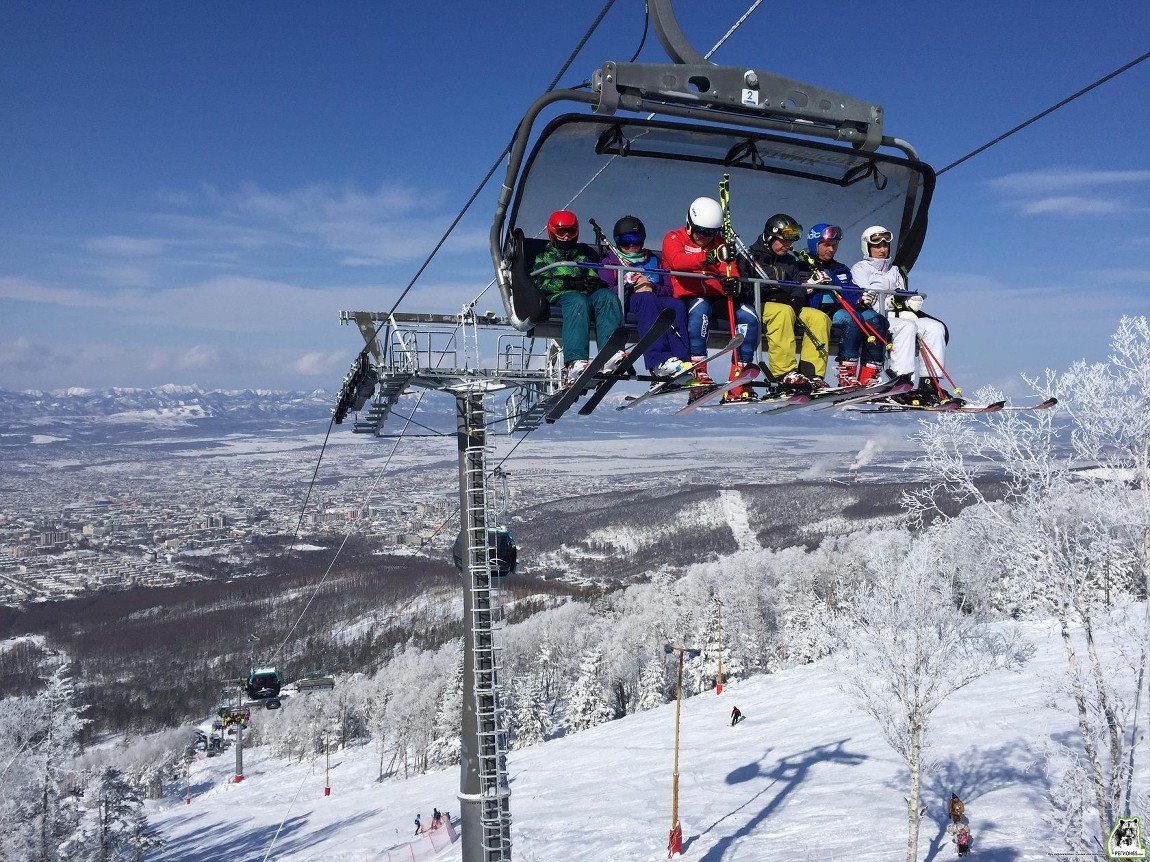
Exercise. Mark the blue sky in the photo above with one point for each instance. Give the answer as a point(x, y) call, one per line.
point(192, 192)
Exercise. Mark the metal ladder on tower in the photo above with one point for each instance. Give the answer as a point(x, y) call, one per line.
point(492, 751)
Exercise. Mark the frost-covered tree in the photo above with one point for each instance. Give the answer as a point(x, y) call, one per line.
point(587, 704)
point(445, 747)
point(112, 825)
point(652, 684)
point(909, 644)
point(41, 733)
point(529, 716)
point(1067, 541)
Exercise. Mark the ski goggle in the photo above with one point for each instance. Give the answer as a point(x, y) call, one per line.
point(786, 233)
point(565, 232)
point(831, 234)
point(704, 231)
point(630, 238)
point(881, 237)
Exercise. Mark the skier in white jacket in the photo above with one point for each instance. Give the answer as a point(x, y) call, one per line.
point(876, 272)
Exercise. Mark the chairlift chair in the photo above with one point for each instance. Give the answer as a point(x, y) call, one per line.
point(788, 147)
point(263, 684)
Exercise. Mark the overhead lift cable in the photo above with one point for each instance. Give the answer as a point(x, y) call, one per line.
point(1042, 114)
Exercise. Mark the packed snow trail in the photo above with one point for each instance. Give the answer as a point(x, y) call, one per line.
point(734, 509)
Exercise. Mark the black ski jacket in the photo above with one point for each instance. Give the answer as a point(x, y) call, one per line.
point(785, 268)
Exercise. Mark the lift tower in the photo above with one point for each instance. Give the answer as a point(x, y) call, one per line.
point(441, 353)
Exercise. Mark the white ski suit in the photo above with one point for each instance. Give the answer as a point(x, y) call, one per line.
point(872, 273)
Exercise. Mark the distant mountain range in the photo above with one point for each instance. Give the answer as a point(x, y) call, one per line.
point(162, 403)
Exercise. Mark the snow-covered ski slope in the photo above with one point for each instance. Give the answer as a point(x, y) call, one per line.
point(804, 777)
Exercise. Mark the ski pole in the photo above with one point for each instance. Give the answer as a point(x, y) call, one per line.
point(927, 352)
point(728, 230)
point(871, 333)
point(931, 372)
point(744, 252)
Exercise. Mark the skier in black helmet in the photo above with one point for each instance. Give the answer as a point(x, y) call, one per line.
point(646, 293)
point(786, 302)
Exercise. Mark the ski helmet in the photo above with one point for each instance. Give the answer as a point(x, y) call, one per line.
point(704, 217)
point(629, 230)
point(563, 227)
point(820, 232)
point(872, 234)
point(781, 226)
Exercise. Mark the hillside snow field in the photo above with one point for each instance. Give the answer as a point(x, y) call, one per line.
point(805, 776)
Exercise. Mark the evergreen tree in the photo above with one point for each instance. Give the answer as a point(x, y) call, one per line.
point(112, 826)
point(652, 684)
point(445, 746)
point(587, 704)
point(529, 716)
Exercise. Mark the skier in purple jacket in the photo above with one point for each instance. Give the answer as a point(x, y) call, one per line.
point(646, 294)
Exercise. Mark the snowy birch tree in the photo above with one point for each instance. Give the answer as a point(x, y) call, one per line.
point(909, 644)
point(1060, 535)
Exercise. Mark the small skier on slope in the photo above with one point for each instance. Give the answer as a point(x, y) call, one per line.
point(736, 715)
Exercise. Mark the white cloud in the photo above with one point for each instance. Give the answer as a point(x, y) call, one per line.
point(314, 363)
point(199, 356)
point(126, 275)
point(24, 290)
point(234, 303)
point(126, 246)
point(388, 225)
point(1072, 205)
point(1064, 179)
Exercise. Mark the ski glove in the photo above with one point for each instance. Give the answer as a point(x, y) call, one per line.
point(731, 287)
point(720, 252)
point(867, 299)
point(914, 303)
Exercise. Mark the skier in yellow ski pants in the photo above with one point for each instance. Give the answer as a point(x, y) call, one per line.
point(779, 324)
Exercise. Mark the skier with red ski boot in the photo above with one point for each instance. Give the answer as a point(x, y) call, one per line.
point(579, 292)
point(861, 332)
point(646, 293)
point(786, 305)
point(699, 247)
point(910, 327)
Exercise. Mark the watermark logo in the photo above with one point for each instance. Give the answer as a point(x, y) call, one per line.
point(1125, 841)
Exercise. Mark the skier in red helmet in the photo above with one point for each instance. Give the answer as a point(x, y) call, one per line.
point(578, 292)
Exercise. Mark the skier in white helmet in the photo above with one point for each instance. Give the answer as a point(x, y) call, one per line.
point(909, 324)
point(699, 247)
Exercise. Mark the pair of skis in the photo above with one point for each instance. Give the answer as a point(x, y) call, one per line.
point(836, 396)
point(952, 407)
point(593, 375)
point(670, 387)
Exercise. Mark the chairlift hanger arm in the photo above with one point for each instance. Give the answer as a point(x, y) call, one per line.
point(738, 94)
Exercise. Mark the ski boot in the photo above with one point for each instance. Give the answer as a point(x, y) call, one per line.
point(848, 373)
point(702, 382)
point(795, 383)
point(572, 371)
point(671, 369)
point(739, 393)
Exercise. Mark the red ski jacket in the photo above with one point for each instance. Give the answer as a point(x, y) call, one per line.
point(683, 253)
